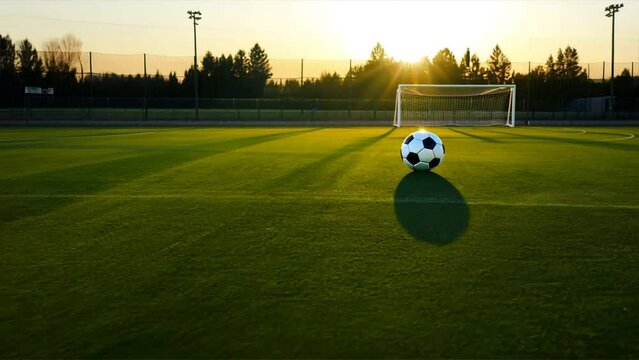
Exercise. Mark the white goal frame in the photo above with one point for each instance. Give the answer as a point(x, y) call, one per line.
point(510, 121)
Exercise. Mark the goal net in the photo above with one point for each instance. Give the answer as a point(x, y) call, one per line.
point(463, 105)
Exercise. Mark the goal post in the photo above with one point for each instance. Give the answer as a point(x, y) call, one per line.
point(451, 105)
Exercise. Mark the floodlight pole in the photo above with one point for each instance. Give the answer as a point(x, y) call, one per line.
point(195, 16)
point(612, 9)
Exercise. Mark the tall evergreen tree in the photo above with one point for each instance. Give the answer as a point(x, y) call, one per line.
point(571, 58)
point(259, 69)
point(8, 76)
point(566, 66)
point(476, 73)
point(240, 72)
point(499, 67)
point(208, 64)
point(464, 65)
point(471, 69)
point(7, 56)
point(224, 76)
point(571, 67)
point(241, 65)
point(30, 65)
point(206, 80)
point(551, 69)
point(560, 64)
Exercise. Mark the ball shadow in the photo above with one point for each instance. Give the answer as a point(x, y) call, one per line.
point(430, 208)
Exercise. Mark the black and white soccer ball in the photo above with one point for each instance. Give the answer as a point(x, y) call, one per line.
point(422, 150)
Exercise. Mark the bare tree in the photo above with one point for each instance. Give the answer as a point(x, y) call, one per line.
point(62, 55)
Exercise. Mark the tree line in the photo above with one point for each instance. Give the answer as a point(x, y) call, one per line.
point(249, 75)
point(547, 87)
point(243, 75)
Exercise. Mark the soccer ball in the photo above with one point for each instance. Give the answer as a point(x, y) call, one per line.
point(422, 150)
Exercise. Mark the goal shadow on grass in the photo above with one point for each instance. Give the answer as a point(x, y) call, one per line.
point(430, 208)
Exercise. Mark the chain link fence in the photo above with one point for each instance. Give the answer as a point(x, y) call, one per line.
point(100, 64)
point(238, 110)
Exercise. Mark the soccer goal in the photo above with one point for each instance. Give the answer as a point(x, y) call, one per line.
point(446, 105)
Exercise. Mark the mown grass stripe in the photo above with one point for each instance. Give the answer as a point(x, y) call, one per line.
point(287, 197)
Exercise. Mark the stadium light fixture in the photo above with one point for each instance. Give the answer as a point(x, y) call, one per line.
point(195, 15)
point(611, 10)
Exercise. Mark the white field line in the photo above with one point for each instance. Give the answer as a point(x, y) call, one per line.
point(288, 197)
point(76, 136)
point(625, 137)
point(564, 130)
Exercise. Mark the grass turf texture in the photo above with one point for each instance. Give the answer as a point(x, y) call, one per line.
point(318, 242)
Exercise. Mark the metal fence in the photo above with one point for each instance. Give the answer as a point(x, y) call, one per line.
point(237, 110)
point(139, 109)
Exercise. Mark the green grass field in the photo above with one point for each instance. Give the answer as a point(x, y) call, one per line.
point(318, 242)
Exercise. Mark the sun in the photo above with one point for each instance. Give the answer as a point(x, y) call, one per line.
point(410, 30)
point(404, 51)
point(358, 34)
